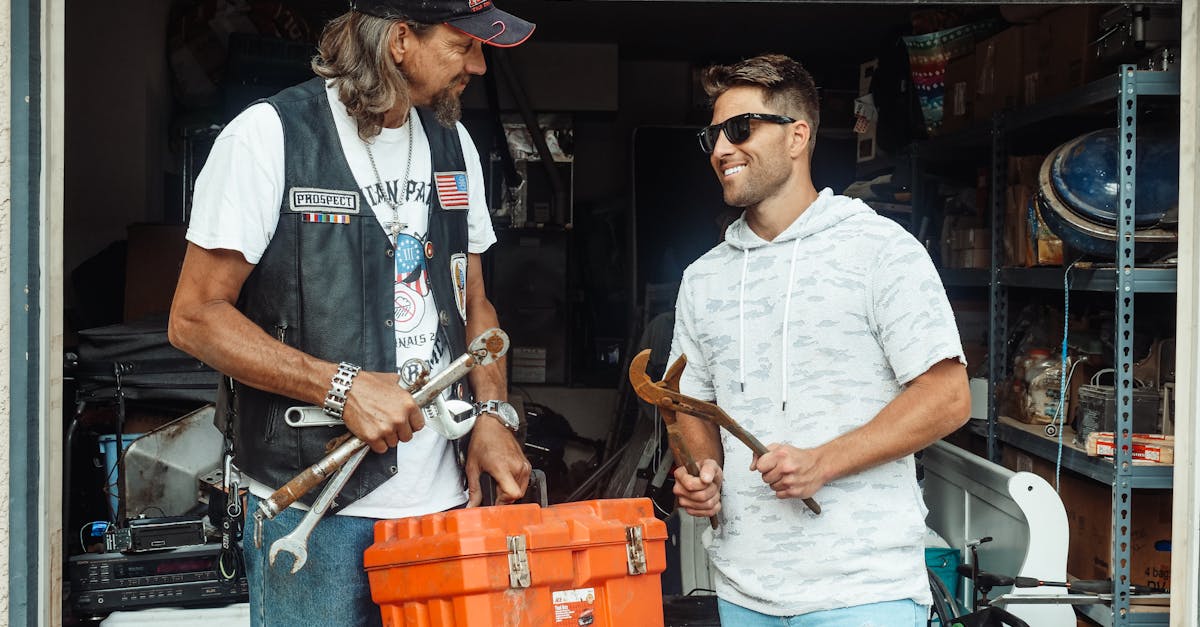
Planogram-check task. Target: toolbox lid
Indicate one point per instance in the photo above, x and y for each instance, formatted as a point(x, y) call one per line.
point(485, 530)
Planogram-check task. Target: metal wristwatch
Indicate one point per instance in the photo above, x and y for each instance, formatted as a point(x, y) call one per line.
point(505, 413)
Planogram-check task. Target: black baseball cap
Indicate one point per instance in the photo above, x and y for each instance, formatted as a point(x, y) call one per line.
point(477, 18)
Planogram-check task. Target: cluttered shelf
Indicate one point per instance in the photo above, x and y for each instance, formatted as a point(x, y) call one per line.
point(1092, 278)
point(979, 133)
point(1149, 83)
point(1033, 440)
point(965, 277)
point(1157, 613)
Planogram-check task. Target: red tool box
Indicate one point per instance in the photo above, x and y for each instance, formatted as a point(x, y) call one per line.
point(576, 564)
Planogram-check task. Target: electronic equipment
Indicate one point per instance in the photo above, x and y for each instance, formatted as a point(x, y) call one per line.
point(107, 582)
point(149, 534)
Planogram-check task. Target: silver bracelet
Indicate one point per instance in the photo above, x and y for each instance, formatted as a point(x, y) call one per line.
point(339, 387)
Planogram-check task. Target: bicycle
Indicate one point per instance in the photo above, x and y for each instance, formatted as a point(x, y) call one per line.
point(985, 612)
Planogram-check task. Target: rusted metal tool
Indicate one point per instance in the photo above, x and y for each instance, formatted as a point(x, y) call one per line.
point(485, 349)
point(666, 397)
point(296, 542)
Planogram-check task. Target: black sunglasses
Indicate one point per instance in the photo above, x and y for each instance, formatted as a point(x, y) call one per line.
point(737, 129)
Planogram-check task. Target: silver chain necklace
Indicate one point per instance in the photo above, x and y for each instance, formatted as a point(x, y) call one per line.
point(394, 226)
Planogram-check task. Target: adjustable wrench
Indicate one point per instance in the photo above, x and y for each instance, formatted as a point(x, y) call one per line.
point(296, 542)
point(485, 349)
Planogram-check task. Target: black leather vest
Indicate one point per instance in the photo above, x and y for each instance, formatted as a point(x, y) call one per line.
point(325, 285)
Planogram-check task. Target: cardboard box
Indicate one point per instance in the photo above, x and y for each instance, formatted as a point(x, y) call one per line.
point(1023, 180)
point(976, 258)
point(959, 98)
point(152, 264)
point(999, 73)
point(1089, 517)
point(1146, 447)
point(1064, 57)
point(1031, 54)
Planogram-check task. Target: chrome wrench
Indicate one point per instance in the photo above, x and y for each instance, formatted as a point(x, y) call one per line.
point(296, 542)
point(440, 415)
point(485, 349)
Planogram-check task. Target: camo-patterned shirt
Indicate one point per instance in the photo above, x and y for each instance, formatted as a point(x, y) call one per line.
point(866, 313)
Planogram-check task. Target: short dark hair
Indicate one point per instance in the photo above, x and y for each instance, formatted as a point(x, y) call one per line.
point(785, 83)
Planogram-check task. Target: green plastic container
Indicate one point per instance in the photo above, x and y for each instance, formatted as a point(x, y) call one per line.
point(944, 564)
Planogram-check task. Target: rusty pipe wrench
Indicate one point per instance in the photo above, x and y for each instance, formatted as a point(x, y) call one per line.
point(485, 349)
point(296, 542)
point(666, 397)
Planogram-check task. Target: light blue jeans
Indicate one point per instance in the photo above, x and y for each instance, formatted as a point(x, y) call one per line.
point(332, 587)
point(904, 613)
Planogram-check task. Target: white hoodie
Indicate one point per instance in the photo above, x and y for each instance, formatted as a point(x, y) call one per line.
point(866, 313)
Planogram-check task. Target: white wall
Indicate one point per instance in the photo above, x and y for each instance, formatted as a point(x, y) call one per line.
point(5, 212)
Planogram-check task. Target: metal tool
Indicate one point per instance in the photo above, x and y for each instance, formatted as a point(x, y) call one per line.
point(666, 397)
point(296, 542)
point(485, 349)
point(443, 416)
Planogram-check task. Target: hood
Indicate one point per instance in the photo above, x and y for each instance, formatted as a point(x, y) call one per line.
point(824, 213)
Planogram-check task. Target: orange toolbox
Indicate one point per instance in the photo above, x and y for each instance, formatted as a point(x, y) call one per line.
point(576, 564)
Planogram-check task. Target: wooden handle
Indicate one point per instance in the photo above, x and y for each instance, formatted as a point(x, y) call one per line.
point(310, 478)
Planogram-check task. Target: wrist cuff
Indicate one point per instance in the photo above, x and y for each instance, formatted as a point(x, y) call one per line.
point(339, 387)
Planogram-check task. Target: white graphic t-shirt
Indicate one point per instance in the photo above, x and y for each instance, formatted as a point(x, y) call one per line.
point(236, 206)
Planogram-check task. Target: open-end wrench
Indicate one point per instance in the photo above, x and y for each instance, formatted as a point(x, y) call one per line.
point(441, 415)
point(485, 349)
point(296, 542)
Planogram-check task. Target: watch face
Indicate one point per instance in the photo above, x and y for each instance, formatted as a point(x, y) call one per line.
point(508, 415)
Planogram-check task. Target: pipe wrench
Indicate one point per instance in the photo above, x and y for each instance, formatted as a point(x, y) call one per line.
point(485, 349)
point(666, 397)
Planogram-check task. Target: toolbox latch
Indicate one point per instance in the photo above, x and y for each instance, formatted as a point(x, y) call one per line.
point(518, 563)
point(635, 551)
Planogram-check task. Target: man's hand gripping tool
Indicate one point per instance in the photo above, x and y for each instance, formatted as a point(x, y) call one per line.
point(666, 397)
point(490, 346)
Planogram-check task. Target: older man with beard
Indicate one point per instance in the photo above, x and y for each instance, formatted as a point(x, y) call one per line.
point(334, 243)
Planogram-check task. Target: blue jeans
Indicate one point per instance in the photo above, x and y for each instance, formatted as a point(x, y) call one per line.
point(332, 587)
point(906, 613)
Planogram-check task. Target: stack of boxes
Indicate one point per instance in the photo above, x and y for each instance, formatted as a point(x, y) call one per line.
point(1022, 65)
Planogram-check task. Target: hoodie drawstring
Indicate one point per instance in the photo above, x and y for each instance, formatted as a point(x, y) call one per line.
point(787, 312)
point(742, 322)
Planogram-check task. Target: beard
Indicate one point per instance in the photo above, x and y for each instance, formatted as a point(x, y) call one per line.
point(758, 183)
point(447, 103)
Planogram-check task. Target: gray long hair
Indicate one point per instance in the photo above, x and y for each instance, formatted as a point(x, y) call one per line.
point(353, 54)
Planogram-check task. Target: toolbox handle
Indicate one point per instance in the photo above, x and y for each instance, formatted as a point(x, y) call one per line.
point(1096, 378)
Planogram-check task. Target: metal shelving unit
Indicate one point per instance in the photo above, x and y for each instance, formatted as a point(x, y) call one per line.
point(1074, 458)
point(1123, 278)
point(1094, 279)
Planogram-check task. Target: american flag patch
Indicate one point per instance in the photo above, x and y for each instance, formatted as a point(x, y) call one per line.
point(330, 218)
point(452, 189)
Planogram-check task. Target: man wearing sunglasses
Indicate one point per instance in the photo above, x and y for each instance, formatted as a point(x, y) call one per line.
point(823, 329)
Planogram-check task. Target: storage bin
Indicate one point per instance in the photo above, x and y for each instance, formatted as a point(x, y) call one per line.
point(576, 564)
point(108, 448)
point(1098, 410)
point(944, 564)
